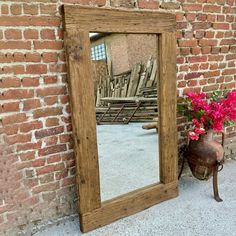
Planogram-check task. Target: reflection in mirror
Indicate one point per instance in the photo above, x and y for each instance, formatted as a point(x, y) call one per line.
point(125, 78)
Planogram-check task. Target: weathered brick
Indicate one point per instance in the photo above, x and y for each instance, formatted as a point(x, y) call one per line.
point(36, 69)
point(30, 82)
point(49, 132)
point(51, 91)
point(31, 9)
point(33, 125)
point(30, 104)
point(13, 34)
point(44, 112)
point(13, 119)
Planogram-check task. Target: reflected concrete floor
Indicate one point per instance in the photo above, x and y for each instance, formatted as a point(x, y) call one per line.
point(128, 158)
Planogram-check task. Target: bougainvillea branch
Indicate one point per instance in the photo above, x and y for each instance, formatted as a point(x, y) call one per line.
point(213, 113)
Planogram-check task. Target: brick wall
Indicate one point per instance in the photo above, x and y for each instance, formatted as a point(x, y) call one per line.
point(37, 173)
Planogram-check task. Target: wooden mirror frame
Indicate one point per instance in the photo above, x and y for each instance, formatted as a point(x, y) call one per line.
point(78, 22)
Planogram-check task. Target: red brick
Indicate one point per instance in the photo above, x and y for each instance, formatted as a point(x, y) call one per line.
point(18, 57)
point(19, 138)
point(181, 84)
point(201, 17)
point(229, 72)
point(179, 16)
point(53, 45)
point(53, 149)
point(10, 82)
point(14, 69)
point(31, 104)
point(46, 187)
point(212, 8)
point(10, 107)
point(192, 83)
point(49, 132)
point(4, 9)
point(207, 42)
point(57, 68)
point(47, 178)
point(27, 156)
point(50, 79)
point(44, 112)
point(199, 34)
point(223, 26)
point(228, 86)
point(206, 50)
point(38, 162)
point(201, 25)
point(16, 9)
point(48, 34)
point(196, 51)
point(29, 21)
point(14, 119)
point(50, 141)
point(224, 49)
point(50, 57)
point(228, 41)
point(68, 181)
point(170, 5)
point(31, 9)
point(52, 122)
point(13, 34)
point(51, 91)
point(215, 57)
point(209, 74)
point(49, 101)
point(50, 9)
point(36, 69)
point(30, 82)
point(215, 50)
point(210, 88)
point(231, 57)
point(192, 7)
point(209, 34)
point(50, 168)
point(31, 34)
point(193, 75)
point(148, 4)
point(184, 51)
point(15, 45)
point(188, 43)
point(17, 94)
point(191, 16)
point(181, 25)
point(65, 138)
point(10, 129)
point(195, 59)
point(28, 146)
point(221, 18)
point(54, 159)
point(33, 125)
point(33, 57)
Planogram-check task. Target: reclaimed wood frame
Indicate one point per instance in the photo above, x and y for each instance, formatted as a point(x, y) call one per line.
point(78, 22)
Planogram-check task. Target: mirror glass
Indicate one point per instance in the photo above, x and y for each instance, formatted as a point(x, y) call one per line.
point(125, 74)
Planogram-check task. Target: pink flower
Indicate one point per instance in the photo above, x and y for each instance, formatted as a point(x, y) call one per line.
point(199, 130)
point(192, 135)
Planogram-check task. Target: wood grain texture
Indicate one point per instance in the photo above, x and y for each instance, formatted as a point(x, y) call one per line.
point(78, 22)
point(167, 105)
point(83, 119)
point(115, 20)
point(128, 204)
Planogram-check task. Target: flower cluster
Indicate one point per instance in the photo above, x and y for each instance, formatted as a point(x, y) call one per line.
point(213, 113)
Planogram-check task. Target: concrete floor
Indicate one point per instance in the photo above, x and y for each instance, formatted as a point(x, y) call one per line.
point(193, 213)
point(128, 158)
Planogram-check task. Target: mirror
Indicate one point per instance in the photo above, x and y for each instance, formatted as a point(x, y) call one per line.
point(125, 75)
point(113, 97)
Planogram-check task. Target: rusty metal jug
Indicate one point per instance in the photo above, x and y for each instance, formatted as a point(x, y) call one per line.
point(205, 158)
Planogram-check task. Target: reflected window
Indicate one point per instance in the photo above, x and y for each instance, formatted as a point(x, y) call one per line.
point(98, 52)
